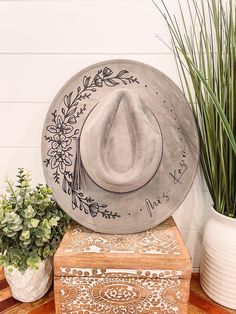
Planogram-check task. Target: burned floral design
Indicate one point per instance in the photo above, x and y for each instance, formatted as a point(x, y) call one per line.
point(59, 159)
point(60, 142)
point(62, 131)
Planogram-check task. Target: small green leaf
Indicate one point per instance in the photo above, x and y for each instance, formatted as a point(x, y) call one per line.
point(33, 261)
point(25, 235)
point(34, 222)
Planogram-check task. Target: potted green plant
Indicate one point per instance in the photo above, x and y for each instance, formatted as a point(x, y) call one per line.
point(31, 227)
point(205, 53)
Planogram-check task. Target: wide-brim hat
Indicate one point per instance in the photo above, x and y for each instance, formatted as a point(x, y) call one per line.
point(120, 147)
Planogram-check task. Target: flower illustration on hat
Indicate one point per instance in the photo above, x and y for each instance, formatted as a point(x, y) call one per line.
point(61, 132)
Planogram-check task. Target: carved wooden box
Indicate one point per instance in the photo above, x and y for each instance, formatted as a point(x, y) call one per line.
point(148, 272)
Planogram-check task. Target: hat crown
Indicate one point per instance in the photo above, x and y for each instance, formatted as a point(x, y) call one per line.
point(120, 144)
point(126, 142)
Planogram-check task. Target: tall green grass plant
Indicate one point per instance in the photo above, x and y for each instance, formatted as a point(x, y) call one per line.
point(205, 54)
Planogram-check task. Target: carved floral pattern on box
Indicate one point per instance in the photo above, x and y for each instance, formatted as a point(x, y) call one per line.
point(159, 240)
point(119, 291)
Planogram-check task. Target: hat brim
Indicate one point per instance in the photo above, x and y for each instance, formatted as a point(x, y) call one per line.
point(88, 203)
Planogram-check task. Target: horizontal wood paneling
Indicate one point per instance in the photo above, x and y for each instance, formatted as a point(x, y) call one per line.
point(21, 124)
point(83, 26)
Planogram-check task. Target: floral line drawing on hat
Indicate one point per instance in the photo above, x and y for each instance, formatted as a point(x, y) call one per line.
point(62, 132)
point(86, 204)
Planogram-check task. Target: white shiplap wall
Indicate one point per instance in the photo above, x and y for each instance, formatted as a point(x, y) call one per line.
point(43, 43)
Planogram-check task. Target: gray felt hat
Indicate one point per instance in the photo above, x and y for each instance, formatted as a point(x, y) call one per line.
point(120, 147)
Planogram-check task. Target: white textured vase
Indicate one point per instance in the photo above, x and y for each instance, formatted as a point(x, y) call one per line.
point(218, 266)
point(32, 284)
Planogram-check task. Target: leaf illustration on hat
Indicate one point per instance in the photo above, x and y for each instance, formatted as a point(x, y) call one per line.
point(122, 72)
point(67, 100)
point(86, 81)
point(111, 83)
point(52, 129)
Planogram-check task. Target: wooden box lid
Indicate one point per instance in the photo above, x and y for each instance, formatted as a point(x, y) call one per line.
point(160, 248)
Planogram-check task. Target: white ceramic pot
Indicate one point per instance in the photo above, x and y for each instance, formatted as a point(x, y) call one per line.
point(32, 284)
point(217, 270)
